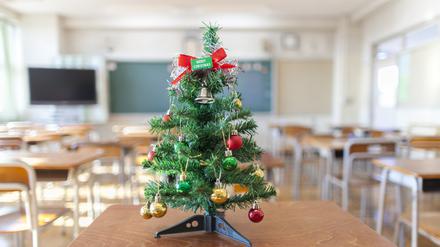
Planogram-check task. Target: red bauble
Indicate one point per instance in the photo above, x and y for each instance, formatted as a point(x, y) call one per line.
point(234, 142)
point(150, 155)
point(256, 215)
point(166, 118)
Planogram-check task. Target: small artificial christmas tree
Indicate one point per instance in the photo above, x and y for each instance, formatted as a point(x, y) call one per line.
point(204, 136)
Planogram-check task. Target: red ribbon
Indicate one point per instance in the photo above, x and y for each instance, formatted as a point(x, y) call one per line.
point(185, 61)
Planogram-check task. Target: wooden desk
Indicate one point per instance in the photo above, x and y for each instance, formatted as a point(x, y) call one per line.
point(324, 143)
point(57, 166)
point(30, 139)
point(285, 224)
point(327, 147)
point(418, 175)
point(136, 139)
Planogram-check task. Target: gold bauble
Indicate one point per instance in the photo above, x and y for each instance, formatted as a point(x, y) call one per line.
point(219, 195)
point(259, 173)
point(158, 209)
point(145, 212)
point(238, 103)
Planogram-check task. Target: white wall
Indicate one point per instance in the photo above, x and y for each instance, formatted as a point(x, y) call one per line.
point(242, 44)
point(165, 44)
point(346, 76)
point(41, 38)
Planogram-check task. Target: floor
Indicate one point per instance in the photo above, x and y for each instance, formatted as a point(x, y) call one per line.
point(59, 234)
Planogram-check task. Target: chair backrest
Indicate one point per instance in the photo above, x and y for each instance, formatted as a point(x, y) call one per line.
point(367, 148)
point(16, 175)
point(10, 143)
point(345, 130)
point(370, 148)
point(376, 133)
point(424, 142)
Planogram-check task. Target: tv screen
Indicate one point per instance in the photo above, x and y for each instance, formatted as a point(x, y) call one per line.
point(49, 86)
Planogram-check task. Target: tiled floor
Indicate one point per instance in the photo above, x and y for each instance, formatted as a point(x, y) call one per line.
point(55, 236)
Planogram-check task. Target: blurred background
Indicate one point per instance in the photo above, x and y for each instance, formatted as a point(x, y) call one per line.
point(331, 66)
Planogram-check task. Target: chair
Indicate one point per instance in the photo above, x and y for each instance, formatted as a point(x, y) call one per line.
point(423, 145)
point(10, 143)
point(20, 177)
point(270, 164)
point(344, 130)
point(136, 140)
point(359, 149)
point(103, 170)
point(429, 227)
point(290, 132)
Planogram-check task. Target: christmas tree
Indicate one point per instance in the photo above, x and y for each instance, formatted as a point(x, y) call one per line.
point(206, 145)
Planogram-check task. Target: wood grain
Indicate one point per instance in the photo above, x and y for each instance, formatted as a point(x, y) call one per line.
point(427, 168)
point(285, 224)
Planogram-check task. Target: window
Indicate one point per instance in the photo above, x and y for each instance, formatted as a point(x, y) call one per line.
point(11, 71)
point(406, 90)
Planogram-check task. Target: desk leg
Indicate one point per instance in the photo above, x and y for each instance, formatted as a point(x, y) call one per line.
point(134, 187)
point(297, 163)
point(326, 191)
point(382, 192)
point(75, 186)
point(415, 212)
point(124, 154)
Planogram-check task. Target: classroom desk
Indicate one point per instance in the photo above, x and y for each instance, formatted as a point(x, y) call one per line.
point(418, 175)
point(32, 139)
point(285, 224)
point(327, 146)
point(58, 166)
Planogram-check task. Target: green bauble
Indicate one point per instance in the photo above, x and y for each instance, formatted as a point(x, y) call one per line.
point(183, 187)
point(230, 163)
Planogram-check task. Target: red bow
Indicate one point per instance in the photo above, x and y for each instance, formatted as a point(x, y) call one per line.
point(185, 61)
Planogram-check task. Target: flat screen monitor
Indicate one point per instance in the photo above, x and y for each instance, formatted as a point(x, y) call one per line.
point(51, 86)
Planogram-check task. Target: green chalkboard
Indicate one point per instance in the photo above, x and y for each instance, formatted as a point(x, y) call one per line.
point(140, 87)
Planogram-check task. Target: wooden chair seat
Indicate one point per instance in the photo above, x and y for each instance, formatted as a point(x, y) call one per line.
point(16, 221)
point(429, 224)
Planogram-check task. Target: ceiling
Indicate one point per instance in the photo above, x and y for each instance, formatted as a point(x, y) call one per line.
point(302, 9)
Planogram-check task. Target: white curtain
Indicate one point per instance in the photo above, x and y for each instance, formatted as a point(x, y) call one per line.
point(11, 72)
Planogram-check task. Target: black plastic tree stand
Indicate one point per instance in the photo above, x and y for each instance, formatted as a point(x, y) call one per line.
point(207, 223)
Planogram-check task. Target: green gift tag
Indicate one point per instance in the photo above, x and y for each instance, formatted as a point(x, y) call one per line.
point(201, 63)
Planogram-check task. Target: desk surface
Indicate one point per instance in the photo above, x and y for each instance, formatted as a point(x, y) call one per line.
point(55, 160)
point(285, 224)
point(32, 138)
point(324, 142)
point(136, 139)
point(427, 168)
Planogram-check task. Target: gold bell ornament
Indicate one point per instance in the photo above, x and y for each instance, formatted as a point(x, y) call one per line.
point(238, 103)
point(145, 211)
point(259, 172)
point(219, 193)
point(157, 208)
point(205, 96)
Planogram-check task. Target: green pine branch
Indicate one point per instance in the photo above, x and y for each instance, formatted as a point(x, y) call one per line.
point(205, 129)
